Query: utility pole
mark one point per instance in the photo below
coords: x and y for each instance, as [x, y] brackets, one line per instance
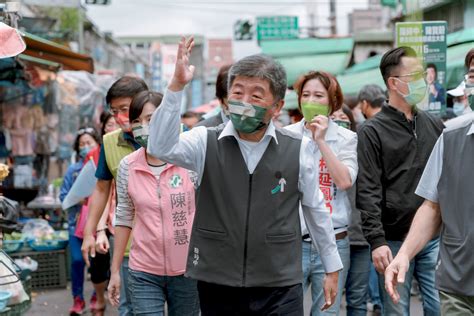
[80, 27]
[311, 9]
[333, 17]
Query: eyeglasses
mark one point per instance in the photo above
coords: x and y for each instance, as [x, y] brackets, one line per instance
[115, 112]
[88, 130]
[415, 75]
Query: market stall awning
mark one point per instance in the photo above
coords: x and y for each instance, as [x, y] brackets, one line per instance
[38, 47]
[299, 56]
[456, 55]
[40, 62]
[351, 83]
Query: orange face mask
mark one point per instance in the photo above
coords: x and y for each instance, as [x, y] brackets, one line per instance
[123, 121]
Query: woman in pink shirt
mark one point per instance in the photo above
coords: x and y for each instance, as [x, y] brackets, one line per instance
[156, 199]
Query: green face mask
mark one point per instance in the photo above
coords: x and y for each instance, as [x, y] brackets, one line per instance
[416, 91]
[246, 118]
[344, 124]
[140, 133]
[312, 109]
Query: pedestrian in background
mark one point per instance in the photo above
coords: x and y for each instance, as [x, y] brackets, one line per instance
[86, 140]
[116, 145]
[393, 149]
[319, 97]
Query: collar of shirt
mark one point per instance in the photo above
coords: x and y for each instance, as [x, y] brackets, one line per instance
[471, 130]
[393, 112]
[331, 133]
[229, 130]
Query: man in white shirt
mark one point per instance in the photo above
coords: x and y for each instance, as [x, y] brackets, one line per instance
[245, 245]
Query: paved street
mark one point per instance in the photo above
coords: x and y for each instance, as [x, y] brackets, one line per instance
[57, 303]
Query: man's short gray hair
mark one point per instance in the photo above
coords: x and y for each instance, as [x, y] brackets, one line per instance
[373, 94]
[263, 67]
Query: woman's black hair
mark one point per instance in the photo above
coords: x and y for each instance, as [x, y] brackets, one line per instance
[139, 101]
[85, 130]
[104, 118]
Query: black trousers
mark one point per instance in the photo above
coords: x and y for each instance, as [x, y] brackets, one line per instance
[221, 300]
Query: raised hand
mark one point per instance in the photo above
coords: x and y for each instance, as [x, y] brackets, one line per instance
[319, 126]
[183, 71]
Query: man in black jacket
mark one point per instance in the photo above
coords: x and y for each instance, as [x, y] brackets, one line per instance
[393, 150]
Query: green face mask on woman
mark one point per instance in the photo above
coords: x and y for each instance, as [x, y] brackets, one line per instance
[246, 118]
[312, 109]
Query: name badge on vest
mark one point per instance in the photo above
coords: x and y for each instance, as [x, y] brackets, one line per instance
[280, 187]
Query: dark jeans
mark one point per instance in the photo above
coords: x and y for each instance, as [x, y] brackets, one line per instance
[149, 292]
[357, 284]
[219, 300]
[423, 268]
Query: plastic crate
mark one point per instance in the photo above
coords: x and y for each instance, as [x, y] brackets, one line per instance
[22, 308]
[48, 245]
[51, 271]
[11, 246]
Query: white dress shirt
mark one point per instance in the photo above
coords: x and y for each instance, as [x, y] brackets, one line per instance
[188, 150]
[343, 143]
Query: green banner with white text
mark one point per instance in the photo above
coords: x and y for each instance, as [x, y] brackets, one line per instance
[428, 39]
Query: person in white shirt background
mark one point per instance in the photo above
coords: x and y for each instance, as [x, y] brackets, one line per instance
[319, 97]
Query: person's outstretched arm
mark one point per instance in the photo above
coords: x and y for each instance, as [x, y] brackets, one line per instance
[165, 142]
[425, 226]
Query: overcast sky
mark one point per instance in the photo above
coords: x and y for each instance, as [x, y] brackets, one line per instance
[211, 18]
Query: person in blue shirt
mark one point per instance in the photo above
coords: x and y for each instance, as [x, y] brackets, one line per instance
[86, 139]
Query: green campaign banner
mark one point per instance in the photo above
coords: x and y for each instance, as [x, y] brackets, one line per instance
[428, 39]
[277, 27]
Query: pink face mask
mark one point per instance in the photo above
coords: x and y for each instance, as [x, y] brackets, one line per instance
[123, 121]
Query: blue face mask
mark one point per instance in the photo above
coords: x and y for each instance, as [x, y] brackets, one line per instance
[84, 151]
[416, 91]
[458, 108]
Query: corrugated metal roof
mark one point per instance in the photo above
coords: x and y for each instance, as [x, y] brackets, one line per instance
[306, 46]
[299, 56]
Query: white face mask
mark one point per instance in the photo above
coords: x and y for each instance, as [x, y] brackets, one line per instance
[458, 108]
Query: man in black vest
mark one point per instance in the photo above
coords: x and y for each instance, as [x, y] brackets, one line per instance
[244, 247]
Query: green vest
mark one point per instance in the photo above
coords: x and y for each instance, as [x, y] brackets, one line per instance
[116, 147]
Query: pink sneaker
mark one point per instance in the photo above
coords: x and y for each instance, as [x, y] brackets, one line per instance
[78, 306]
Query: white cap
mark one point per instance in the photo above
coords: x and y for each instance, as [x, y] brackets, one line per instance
[458, 91]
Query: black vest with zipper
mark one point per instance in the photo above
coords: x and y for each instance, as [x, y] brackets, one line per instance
[246, 231]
